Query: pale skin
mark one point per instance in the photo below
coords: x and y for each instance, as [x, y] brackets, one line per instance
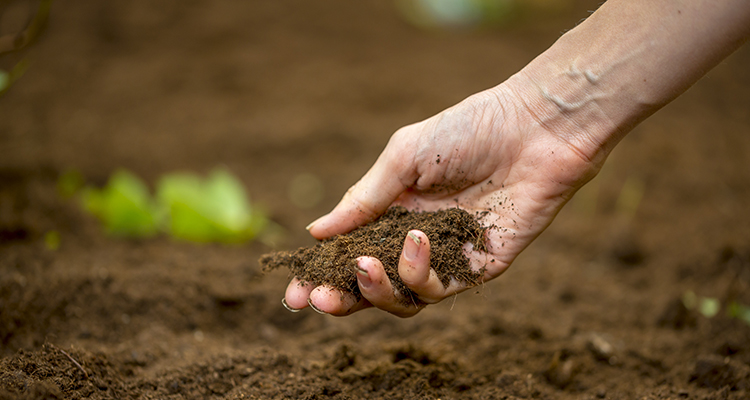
[520, 150]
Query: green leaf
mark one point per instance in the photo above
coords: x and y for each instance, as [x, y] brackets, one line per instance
[709, 306]
[690, 300]
[739, 311]
[7, 78]
[216, 209]
[188, 207]
[4, 80]
[124, 206]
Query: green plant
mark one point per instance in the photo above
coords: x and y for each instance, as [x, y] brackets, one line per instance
[709, 307]
[739, 311]
[208, 210]
[17, 41]
[124, 206]
[186, 206]
[7, 78]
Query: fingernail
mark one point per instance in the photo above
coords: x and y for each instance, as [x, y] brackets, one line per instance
[316, 309]
[361, 270]
[283, 302]
[363, 276]
[411, 247]
[311, 224]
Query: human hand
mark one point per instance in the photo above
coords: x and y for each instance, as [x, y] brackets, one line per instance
[519, 151]
[488, 154]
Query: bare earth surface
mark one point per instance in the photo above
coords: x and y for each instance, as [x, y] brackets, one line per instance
[279, 88]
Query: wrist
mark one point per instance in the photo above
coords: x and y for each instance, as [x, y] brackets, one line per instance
[568, 103]
[587, 90]
[623, 63]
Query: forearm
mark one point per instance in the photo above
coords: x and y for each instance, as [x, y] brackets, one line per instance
[627, 60]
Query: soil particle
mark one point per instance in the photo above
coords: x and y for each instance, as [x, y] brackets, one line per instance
[343, 358]
[713, 372]
[562, 369]
[333, 262]
[676, 316]
[601, 349]
[627, 250]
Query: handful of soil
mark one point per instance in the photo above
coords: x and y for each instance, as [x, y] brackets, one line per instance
[333, 262]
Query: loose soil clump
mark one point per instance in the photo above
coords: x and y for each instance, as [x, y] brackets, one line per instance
[333, 262]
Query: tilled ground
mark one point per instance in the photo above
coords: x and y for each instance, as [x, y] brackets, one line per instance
[275, 89]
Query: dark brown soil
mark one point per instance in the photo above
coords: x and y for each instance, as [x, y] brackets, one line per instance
[333, 262]
[274, 89]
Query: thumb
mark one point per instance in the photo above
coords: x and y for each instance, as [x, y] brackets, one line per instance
[369, 197]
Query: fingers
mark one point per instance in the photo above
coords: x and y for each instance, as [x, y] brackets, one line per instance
[362, 203]
[370, 197]
[321, 299]
[326, 300]
[376, 287]
[297, 293]
[414, 268]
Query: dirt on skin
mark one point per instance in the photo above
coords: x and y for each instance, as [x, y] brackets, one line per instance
[333, 262]
[279, 90]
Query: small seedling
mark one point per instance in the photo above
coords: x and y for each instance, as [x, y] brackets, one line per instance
[124, 206]
[215, 209]
[739, 311]
[709, 307]
[186, 206]
[4, 80]
[8, 78]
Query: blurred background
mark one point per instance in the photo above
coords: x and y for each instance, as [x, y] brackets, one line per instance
[297, 99]
[298, 102]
